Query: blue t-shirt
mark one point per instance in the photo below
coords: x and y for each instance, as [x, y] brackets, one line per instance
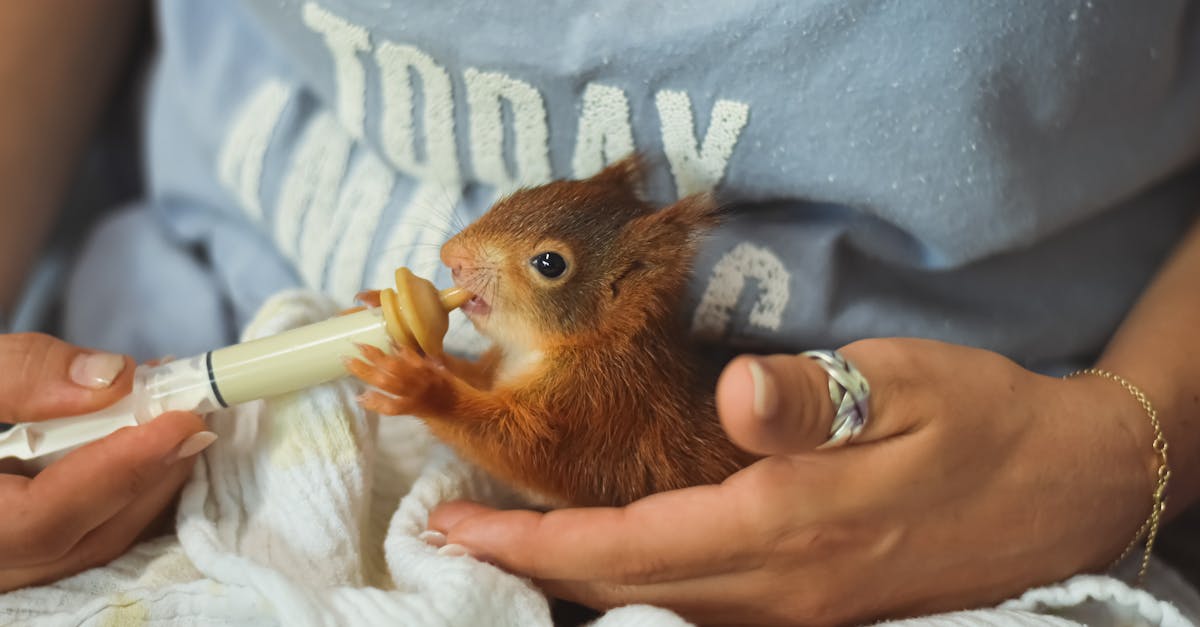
[1000, 174]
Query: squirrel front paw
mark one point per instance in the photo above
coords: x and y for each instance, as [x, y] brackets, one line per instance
[368, 298]
[404, 382]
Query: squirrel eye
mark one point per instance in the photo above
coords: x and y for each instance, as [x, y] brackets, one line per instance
[549, 264]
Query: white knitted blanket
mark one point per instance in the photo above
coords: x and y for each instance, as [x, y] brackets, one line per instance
[306, 512]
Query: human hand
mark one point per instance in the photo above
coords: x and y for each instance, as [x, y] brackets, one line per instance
[973, 480]
[89, 507]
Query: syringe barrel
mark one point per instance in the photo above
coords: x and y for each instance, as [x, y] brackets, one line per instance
[295, 359]
[262, 368]
[179, 385]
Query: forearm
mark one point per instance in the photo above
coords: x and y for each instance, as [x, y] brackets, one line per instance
[1157, 348]
[59, 60]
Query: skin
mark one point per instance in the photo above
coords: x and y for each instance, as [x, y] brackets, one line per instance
[51, 527]
[968, 460]
[64, 58]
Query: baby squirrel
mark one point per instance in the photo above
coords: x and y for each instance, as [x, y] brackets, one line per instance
[591, 393]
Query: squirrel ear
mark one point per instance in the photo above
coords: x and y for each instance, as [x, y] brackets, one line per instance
[693, 214]
[628, 172]
[680, 225]
[667, 241]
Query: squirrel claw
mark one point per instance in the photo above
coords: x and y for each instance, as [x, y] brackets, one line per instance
[374, 370]
[404, 381]
[369, 298]
[386, 404]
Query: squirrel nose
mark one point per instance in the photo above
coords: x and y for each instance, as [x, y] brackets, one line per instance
[455, 260]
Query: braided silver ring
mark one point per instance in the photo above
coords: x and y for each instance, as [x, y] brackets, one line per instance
[849, 391]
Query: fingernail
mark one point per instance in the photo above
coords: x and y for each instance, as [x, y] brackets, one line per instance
[192, 446]
[433, 538]
[96, 370]
[766, 397]
[453, 550]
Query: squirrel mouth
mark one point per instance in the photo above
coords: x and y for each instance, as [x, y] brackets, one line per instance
[476, 307]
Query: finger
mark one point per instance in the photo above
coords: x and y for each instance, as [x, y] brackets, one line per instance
[774, 404]
[780, 404]
[695, 596]
[50, 513]
[764, 596]
[109, 540]
[48, 378]
[726, 599]
[655, 539]
[449, 514]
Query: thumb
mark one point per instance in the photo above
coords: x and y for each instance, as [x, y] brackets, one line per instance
[44, 377]
[780, 404]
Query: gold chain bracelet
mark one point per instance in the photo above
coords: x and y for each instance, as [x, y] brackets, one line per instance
[1149, 529]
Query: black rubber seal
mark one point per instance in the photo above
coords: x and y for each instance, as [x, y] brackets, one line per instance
[212, 380]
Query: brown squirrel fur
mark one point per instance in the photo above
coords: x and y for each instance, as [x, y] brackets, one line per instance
[591, 393]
